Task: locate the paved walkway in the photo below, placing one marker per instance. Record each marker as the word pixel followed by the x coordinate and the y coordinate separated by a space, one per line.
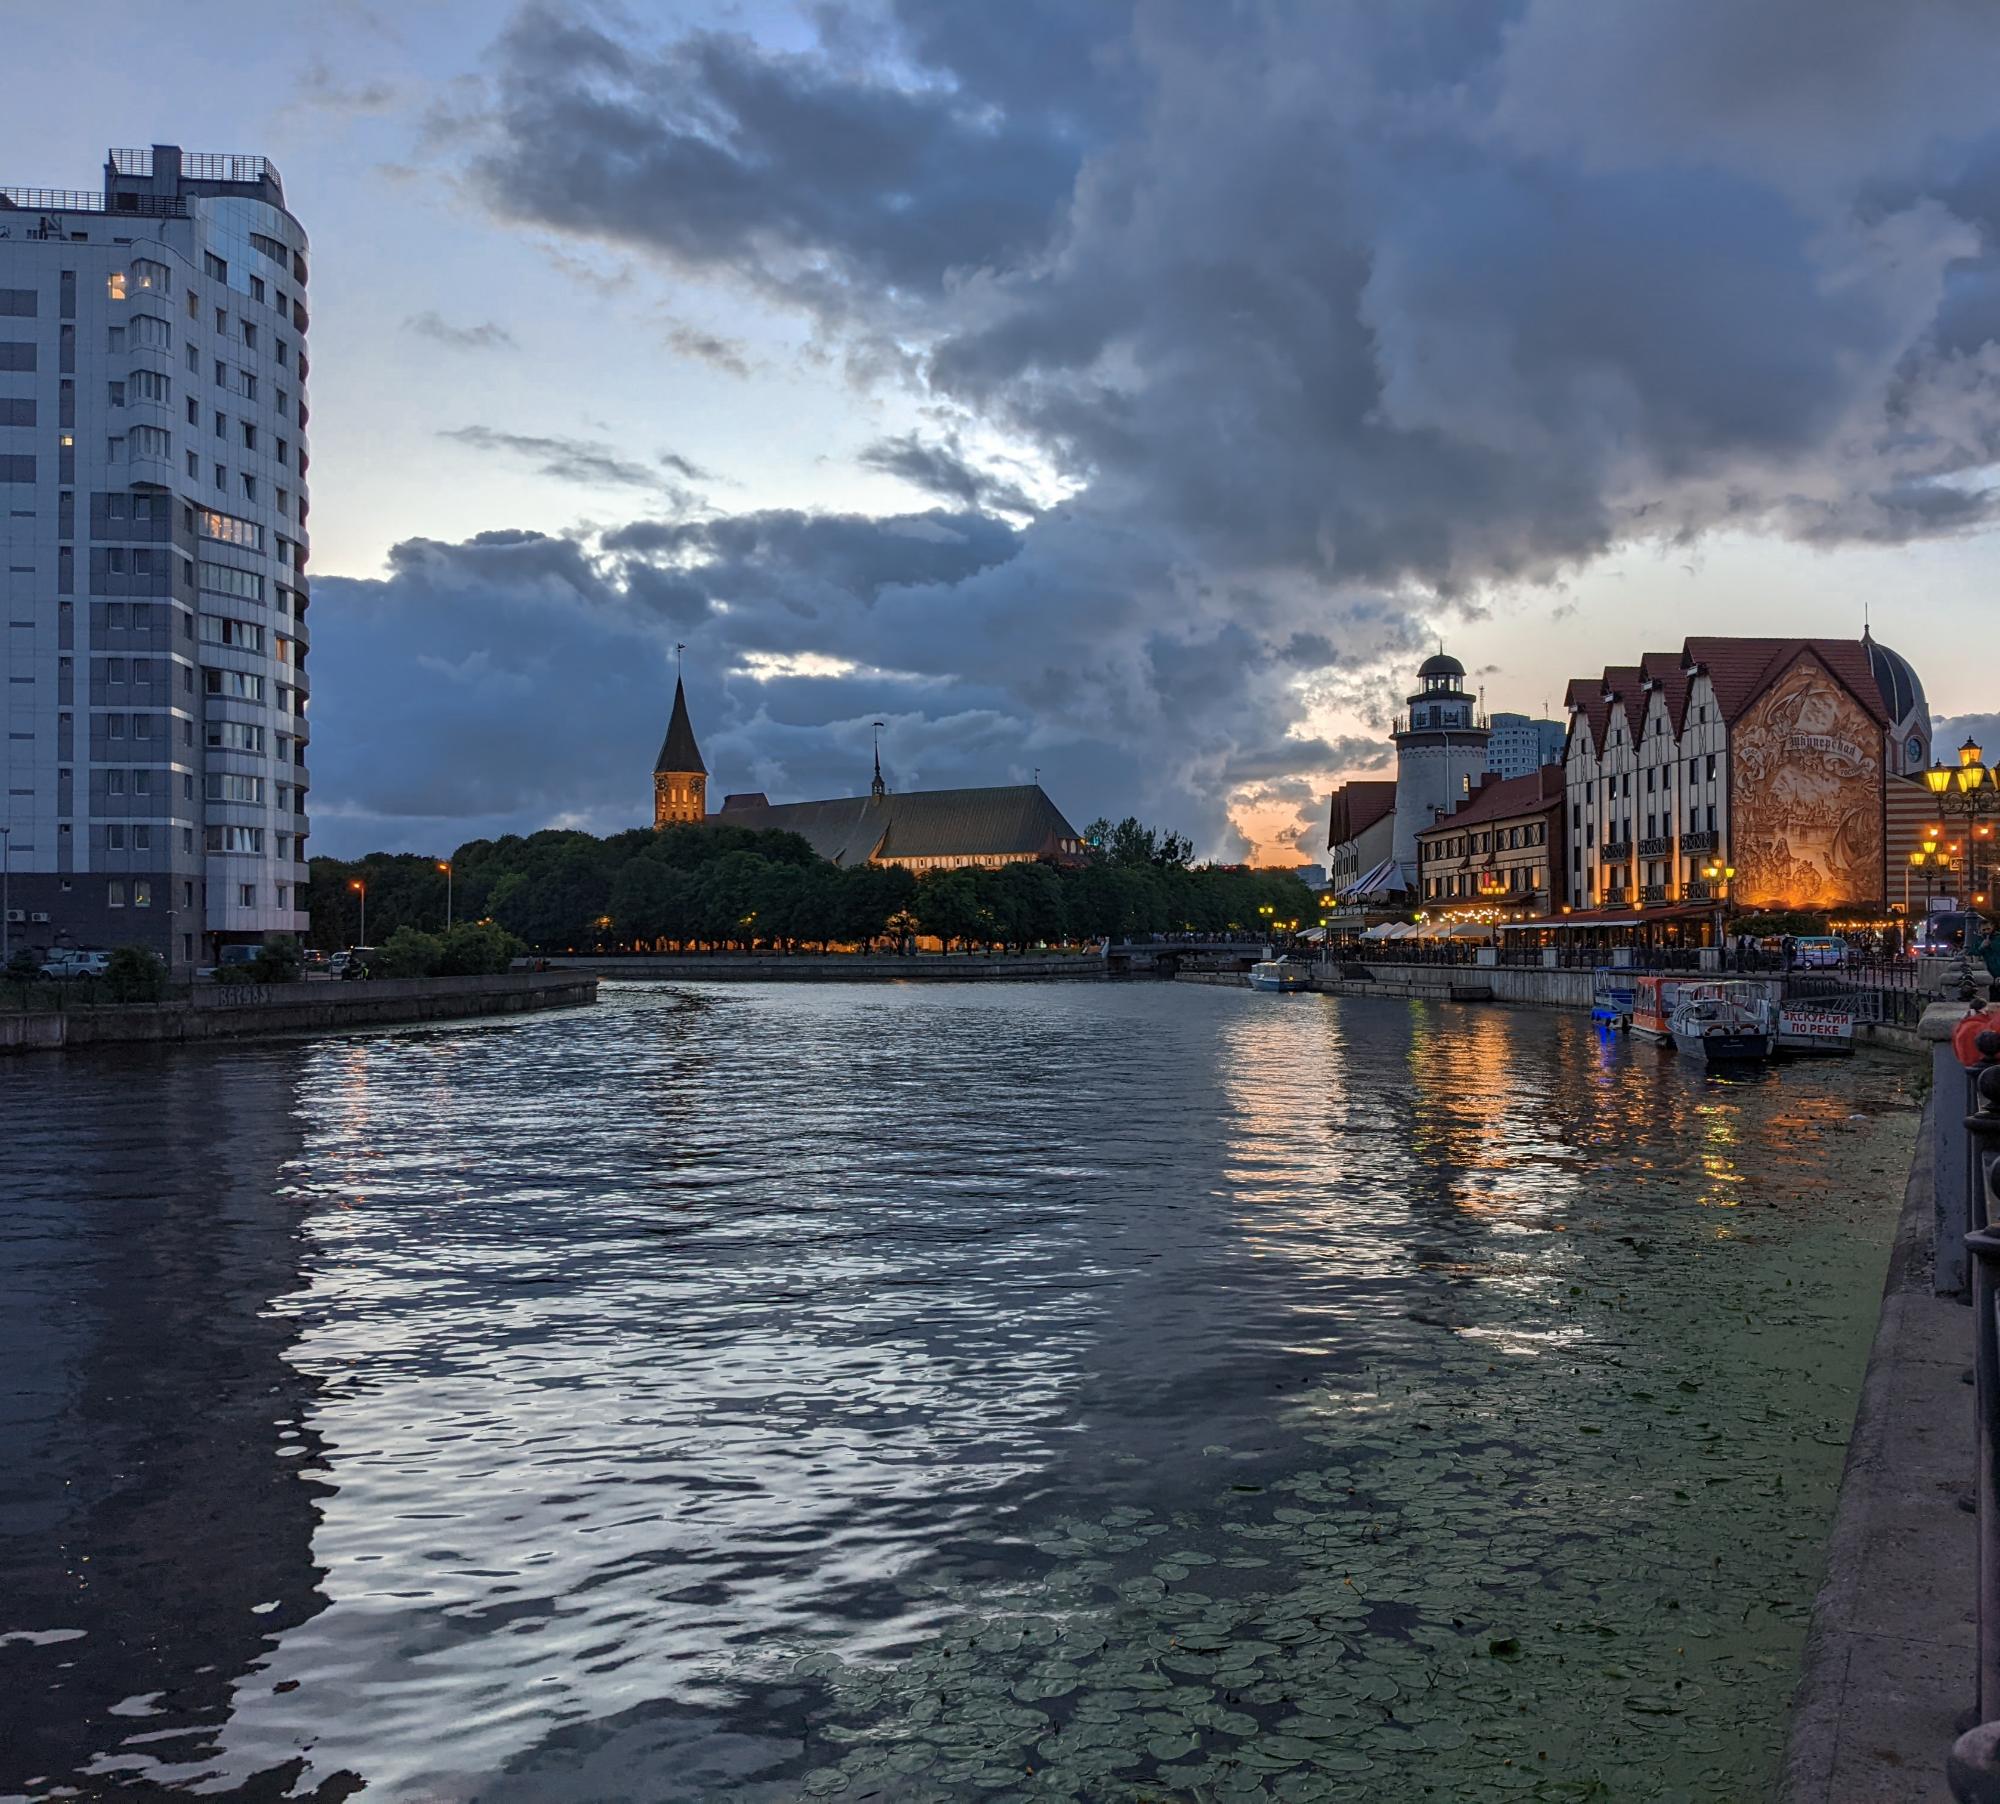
pixel 1889 1661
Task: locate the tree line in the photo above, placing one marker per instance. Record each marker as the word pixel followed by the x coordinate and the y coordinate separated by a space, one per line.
pixel 715 887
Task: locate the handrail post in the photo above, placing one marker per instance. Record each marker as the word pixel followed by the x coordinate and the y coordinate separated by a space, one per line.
pixel 1973 1767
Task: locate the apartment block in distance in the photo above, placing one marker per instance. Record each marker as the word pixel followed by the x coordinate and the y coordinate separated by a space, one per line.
pixel 153 509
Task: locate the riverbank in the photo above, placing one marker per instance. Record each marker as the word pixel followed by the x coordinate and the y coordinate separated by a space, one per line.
pixel 839 967
pixel 245 1011
pixel 1889 1658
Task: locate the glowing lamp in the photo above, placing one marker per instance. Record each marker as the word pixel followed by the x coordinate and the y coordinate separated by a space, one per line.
pixel 1970 776
pixel 1930 847
pixel 1939 778
pixel 1917 858
pixel 1971 752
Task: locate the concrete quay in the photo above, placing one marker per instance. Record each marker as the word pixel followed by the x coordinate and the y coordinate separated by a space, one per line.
pixel 241 1011
pixel 839 967
pixel 1889 1659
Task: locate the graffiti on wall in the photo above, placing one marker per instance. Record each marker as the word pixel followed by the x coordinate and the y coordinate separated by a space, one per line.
pixel 1806 796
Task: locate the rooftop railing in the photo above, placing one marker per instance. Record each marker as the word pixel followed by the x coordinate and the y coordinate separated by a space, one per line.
pixel 84 200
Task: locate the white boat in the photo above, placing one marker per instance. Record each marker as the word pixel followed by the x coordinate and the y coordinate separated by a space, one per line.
pixel 1279 974
pixel 1711 1025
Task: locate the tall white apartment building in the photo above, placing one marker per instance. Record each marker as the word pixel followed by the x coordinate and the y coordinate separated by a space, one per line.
pixel 153 515
pixel 1520 746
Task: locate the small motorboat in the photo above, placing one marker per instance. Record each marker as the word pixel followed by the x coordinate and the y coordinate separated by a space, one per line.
pixel 1280 974
pixel 1709 1024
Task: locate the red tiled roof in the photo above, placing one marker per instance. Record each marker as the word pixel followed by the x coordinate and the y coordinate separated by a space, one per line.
pixel 1502 798
pixel 1623 681
pixel 1358 806
pixel 1587 694
pixel 1740 670
pixel 1666 670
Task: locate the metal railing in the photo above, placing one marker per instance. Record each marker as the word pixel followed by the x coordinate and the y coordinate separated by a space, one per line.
pixel 1973 1767
pixel 84 200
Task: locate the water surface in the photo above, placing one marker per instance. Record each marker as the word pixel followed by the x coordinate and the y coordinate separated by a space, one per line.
pixel 1095 1391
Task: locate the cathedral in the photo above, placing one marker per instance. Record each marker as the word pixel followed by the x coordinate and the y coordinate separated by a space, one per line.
pixel 680 779
pixel 927 829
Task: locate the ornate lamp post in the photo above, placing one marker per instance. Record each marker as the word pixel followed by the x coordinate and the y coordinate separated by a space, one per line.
pixel 1973 791
pixel 1717 876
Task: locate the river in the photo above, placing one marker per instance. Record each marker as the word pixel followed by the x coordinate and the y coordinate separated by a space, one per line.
pixel 1005 1391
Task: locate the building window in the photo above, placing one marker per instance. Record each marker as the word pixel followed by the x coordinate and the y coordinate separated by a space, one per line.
pixel 246 894
pixel 114 895
pixel 142 893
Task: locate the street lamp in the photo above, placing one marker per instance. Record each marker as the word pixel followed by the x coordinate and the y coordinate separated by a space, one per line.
pixel 444 864
pixel 6 871
pixel 1973 791
pixel 361 889
pixel 1718 876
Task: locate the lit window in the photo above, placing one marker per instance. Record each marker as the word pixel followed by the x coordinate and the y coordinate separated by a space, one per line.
pixel 114 287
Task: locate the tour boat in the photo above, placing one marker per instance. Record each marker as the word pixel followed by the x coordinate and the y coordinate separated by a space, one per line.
pixel 1279 974
pixel 1711 1025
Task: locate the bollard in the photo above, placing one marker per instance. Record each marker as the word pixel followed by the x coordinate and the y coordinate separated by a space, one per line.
pixel 1973 1767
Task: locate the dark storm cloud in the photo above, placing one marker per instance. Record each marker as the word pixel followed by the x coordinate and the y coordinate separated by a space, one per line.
pixel 487 335
pixel 1334 318
pixel 943 470
pixel 732 158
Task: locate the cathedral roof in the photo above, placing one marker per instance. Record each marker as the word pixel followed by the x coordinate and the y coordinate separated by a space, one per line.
pixel 924 823
pixel 678 751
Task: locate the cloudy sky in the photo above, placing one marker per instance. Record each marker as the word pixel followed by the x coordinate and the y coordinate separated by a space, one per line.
pixel 1128 392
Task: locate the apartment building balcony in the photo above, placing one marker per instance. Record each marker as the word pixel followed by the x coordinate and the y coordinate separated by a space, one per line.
pixel 1656 892
pixel 1697 889
pixel 1617 848
pixel 1706 841
pixel 1660 845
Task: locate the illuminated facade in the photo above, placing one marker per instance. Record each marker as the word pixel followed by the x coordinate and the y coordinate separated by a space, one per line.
pixel 1500 850
pixel 1765 758
pixel 680 779
pixel 153 458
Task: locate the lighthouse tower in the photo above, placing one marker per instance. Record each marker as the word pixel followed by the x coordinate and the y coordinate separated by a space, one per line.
pixel 1440 752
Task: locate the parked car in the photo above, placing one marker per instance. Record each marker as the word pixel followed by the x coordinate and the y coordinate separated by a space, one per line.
pixel 314 964
pixel 62 966
pixel 352 963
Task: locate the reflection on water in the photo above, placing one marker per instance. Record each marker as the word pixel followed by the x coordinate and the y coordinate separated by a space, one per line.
pixel 1088 1392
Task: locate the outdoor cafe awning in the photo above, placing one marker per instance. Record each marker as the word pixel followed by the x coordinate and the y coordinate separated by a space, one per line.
pixel 1383 879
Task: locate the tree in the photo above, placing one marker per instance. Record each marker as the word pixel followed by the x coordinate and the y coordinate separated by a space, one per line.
pixel 476 948
pixel 277 961
pixel 948 907
pixel 407 952
pixel 133 974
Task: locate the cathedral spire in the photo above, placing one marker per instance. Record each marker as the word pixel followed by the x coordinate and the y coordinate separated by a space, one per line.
pixel 680 779
pixel 878 788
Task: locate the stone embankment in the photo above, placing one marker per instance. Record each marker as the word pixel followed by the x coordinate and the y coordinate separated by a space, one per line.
pixel 1889 1660
pixel 238 1011
pixel 842 967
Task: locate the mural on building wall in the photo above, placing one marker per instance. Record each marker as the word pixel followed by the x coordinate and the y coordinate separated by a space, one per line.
pixel 1806 796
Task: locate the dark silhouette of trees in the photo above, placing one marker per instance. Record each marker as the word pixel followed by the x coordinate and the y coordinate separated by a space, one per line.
pixel 716 887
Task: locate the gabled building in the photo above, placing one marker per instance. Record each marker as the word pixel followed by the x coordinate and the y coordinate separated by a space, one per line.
pixel 1768 756
pixel 1361 840
pixel 1500 851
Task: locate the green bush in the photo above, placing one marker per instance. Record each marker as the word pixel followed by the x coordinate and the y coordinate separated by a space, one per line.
pixel 277 961
pixel 132 974
pixel 408 952
pixel 25 966
pixel 475 948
